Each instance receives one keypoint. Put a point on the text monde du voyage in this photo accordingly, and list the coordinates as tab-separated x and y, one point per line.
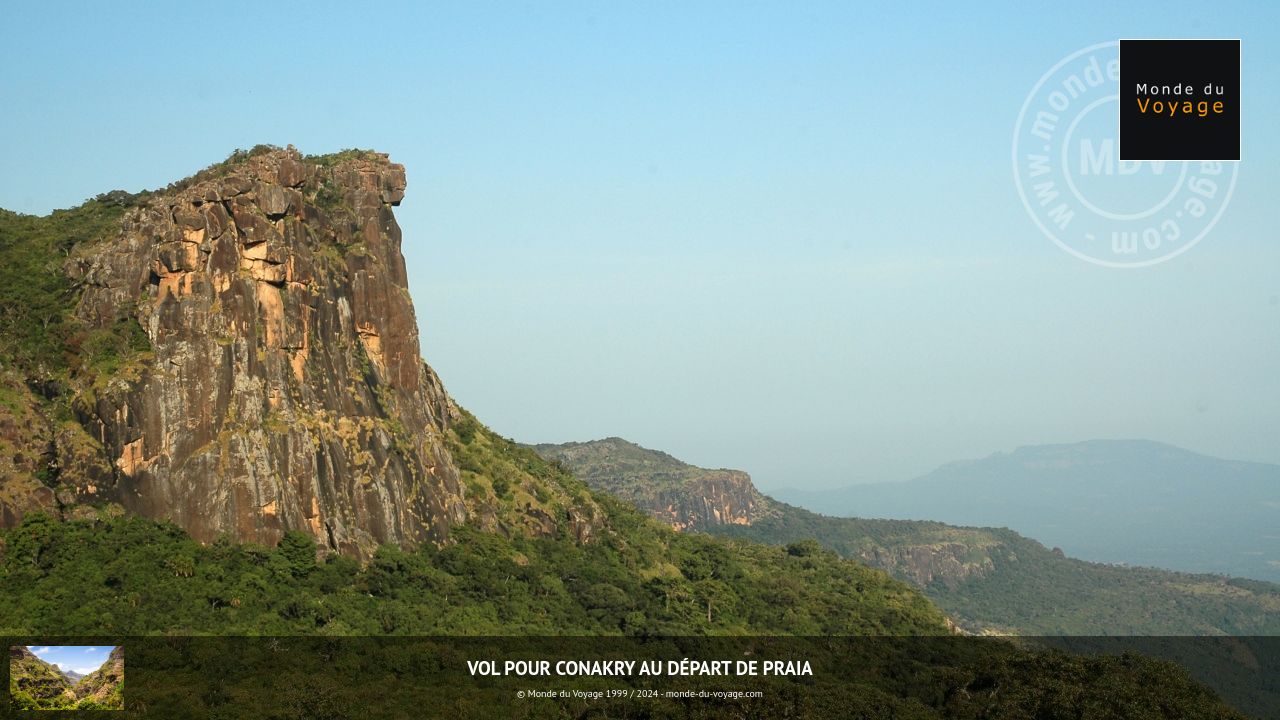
1179	100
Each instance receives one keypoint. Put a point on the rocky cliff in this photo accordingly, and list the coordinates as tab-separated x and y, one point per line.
946	563
238	353
282	387
683	496
104	687
33	682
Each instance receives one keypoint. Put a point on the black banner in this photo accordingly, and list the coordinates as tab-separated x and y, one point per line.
332	678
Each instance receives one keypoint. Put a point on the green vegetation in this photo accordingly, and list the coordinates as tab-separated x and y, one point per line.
329	160
127	576
988	580
1041	592
626	470
23	700
1120	501
514	485
1016	585
38	333
49	359
136	576
34	684
236	158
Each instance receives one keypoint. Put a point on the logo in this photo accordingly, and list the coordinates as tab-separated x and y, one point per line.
1073	184
1180	99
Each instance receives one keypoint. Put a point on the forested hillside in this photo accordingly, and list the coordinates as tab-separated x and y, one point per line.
988	580
995	580
128	575
1135	502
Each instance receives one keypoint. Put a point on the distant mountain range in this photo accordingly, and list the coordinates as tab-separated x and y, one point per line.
1135	502
987	579
71	675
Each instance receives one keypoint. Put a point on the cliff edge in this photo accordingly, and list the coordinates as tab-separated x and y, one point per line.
244	361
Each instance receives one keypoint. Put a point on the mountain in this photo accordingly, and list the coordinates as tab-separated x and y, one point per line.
678	494
35	684
1117	501
986	579
237	354
103	689
72	676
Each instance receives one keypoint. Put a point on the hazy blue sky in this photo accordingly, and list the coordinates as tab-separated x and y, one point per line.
779	236
83	659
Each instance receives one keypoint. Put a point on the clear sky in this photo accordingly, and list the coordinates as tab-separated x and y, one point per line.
83	659
783	237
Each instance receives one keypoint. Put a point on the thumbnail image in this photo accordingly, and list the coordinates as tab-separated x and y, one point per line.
66	677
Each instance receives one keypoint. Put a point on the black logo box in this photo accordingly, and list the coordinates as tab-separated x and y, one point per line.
1187	68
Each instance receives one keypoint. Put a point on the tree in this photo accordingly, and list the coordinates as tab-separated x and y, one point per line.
299	549
715	595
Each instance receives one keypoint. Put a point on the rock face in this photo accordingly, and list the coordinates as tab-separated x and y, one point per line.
279	385
105	685
947	563
682	495
715	497
35	679
238	354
